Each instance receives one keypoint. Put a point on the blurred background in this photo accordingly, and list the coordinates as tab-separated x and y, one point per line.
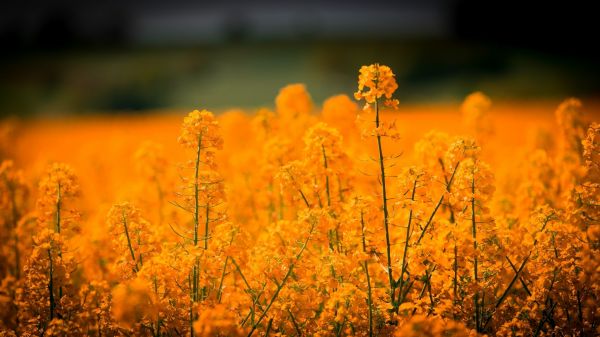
81	57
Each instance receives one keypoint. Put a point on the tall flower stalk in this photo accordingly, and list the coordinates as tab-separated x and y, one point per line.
200	133
380	82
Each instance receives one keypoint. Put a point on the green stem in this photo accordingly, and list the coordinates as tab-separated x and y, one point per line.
269	327
140	257
507	290
157	315
326	176
57	229
299	190
295	323
405	292
206	227
191	309
406	244
431	301
366	266
580	314
196	280
282	283
455	273
385	208
220	291
304	198
51	285
249	289
58	206
129	242
437	206
196	196
514	268
196	271
426	286
474	231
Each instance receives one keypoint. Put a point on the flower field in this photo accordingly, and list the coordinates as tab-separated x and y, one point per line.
360	216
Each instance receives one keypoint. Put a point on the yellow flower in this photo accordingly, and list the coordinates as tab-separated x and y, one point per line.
475	110
380	82
200	128
132	302
293	100
58	185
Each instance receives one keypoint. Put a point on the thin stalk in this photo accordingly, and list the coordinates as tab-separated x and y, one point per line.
206	226
304	198
129	242
408	288
191	309
299	190
58	206
140	257
455	273
366	266
406	245
269	327
282	283
196	196
580	313
196	271
543	320
157	315
51	286
220	291
437	206
551	314
426	286
435	209
507	290
318	195
57	229
195	282
255	300
295	323
249	290
341	327
385	208
431	301
241	274
326	176
474	231
514	268
518	276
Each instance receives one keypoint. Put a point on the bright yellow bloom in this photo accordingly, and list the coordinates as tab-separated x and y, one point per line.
132	301
200	128
305	229
293	101
380	82
58	186
475	111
